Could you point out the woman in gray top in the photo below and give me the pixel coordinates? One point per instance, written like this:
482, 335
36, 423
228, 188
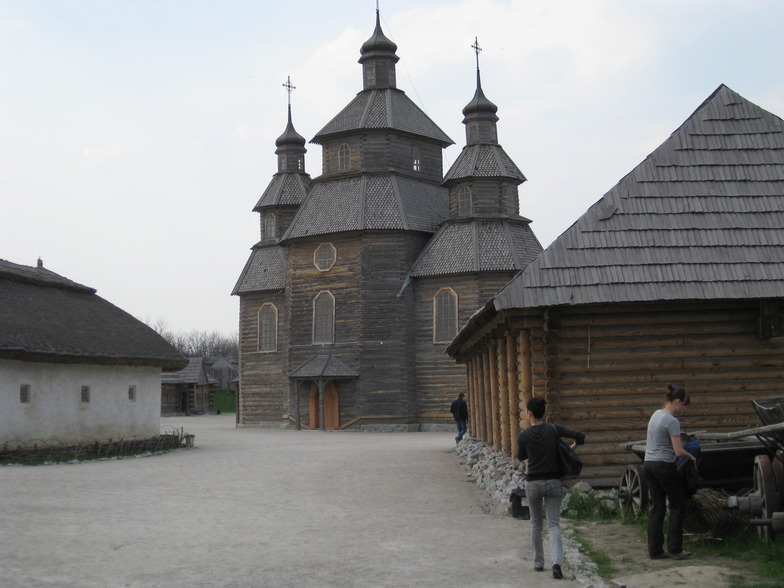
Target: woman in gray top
662, 447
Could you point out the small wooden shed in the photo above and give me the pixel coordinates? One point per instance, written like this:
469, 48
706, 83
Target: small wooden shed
675, 276
188, 390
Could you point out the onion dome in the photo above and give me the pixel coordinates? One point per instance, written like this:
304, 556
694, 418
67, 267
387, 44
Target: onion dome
290, 139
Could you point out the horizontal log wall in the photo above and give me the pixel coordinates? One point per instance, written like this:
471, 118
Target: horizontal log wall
264, 388
438, 377
613, 364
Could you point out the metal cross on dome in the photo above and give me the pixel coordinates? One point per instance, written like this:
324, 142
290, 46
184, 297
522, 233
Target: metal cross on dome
289, 87
476, 49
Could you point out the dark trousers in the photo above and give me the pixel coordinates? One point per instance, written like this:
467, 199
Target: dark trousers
665, 485
462, 427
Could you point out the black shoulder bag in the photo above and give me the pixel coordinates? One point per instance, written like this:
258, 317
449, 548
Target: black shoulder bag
569, 463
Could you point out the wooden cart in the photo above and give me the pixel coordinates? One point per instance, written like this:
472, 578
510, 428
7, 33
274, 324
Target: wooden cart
749, 463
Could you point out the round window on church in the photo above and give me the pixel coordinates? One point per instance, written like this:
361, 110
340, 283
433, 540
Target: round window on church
324, 257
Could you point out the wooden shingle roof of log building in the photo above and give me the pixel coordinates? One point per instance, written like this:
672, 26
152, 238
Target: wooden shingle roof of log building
478, 245
383, 202
46, 317
195, 373
265, 270
702, 217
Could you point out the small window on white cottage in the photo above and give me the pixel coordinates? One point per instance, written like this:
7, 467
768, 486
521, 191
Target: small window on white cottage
24, 393
444, 316
464, 200
324, 257
324, 319
132, 393
417, 158
85, 396
268, 327
344, 155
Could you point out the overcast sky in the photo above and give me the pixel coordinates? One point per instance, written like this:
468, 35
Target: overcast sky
137, 135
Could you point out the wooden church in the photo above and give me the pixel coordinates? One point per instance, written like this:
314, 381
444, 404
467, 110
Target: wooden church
363, 274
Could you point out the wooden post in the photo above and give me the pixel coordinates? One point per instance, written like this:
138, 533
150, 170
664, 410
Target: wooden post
488, 404
472, 395
514, 399
321, 403
492, 358
480, 398
503, 397
525, 384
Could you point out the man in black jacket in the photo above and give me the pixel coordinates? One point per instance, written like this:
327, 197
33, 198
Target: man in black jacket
459, 410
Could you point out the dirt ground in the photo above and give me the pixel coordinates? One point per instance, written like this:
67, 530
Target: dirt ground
254, 507
627, 551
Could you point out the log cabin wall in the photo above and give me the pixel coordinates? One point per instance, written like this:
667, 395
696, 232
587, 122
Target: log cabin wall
263, 393
387, 349
373, 326
438, 377
615, 364
604, 371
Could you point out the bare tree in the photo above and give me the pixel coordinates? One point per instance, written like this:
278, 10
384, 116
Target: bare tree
197, 343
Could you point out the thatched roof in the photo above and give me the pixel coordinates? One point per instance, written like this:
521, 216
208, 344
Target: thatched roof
46, 317
702, 217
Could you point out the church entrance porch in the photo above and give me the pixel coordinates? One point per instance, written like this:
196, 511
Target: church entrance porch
330, 407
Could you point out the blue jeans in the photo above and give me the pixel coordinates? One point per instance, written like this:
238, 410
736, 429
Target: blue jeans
665, 485
462, 427
550, 493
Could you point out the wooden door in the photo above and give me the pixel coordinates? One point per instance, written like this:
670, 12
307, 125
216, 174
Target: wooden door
331, 406
314, 406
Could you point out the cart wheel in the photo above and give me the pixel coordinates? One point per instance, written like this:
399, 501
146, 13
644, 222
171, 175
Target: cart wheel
633, 489
765, 486
778, 477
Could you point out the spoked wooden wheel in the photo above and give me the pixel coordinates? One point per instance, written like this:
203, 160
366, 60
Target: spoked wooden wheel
765, 486
633, 489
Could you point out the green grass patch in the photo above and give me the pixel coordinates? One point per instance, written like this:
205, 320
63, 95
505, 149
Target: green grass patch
765, 559
604, 564
762, 562
224, 401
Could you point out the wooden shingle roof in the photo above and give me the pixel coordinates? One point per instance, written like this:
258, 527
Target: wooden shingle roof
370, 202
323, 366
387, 108
46, 317
195, 373
264, 270
702, 217
483, 160
285, 189
478, 245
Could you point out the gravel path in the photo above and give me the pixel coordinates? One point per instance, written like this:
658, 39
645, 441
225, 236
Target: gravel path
255, 507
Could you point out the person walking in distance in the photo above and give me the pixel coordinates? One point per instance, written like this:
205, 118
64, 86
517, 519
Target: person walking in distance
459, 410
662, 447
543, 485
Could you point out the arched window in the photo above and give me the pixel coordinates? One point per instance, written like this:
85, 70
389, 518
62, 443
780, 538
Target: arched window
444, 316
268, 328
269, 225
417, 158
464, 200
324, 319
344, 154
